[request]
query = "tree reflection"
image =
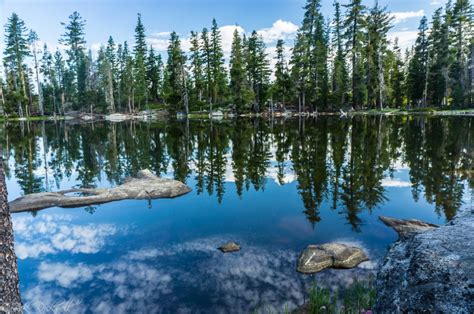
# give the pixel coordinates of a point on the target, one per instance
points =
(338, 162)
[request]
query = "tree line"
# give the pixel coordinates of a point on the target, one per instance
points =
(347, 62)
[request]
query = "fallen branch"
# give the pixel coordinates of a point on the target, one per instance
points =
(145, 186)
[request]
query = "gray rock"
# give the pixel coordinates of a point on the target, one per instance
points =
(229, 247)
(431, 271)
(318, 257)
(406, 228)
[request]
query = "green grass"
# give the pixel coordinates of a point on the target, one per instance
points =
(356, 298)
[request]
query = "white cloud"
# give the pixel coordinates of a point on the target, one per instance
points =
(159, 41)
(405, 38)
(95, 47)
(389, 182)
(227, 33)
(402, 16)
(279, 30)
(436, 2)
(64, 274)
(51, 234)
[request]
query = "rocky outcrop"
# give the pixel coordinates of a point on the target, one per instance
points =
(430, 271)
(406, 228)
(229, 247)
(145, 186)
(330, 255)
(10, 301)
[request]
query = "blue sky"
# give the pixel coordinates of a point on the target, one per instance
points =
(273, 18)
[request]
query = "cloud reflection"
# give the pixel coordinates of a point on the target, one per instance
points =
(185, 277)
(51, 234)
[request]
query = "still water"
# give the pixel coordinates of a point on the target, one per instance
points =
(272, 186)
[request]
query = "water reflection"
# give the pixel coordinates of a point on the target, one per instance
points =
(346, 162)
(173, 279)
(54, 234)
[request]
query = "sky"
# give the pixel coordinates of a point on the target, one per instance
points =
(273, 19)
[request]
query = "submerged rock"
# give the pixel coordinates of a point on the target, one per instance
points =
(229, 247)
(431, 271)
(336, 255)
(406, 228)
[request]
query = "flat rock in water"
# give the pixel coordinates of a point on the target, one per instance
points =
(330, 255)
(229, 247)
(406, 228)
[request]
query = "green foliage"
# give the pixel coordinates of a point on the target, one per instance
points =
(358, 296)
(139, 71)
(257, 69)
(14, 56)
(241, 93)
(354, 25)
(174, 80)
(282, 85)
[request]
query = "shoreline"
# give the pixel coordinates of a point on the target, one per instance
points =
(119, 117)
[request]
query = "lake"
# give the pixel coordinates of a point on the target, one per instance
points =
(274, 186)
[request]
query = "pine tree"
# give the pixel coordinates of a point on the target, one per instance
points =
(33, 41)
(257, 68)
(139, 50)
(354, 26)
(105, 79)
(439, 61)
(282, 85)
(175, 75)
(61, 77)
(462, 24)
(153, 75)
(14, 55)
(218, 79)
(197, 67)
(111, 55)
(298, 72)
(126, 78)
(378, 25)
(418, 67)
(206, 51)
(339, 73)
(240, 92)
(310, 55)
(396, 77)
(74, 39)
(50, 83)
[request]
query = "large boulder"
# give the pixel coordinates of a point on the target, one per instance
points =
(336, 255)
(430, 271)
